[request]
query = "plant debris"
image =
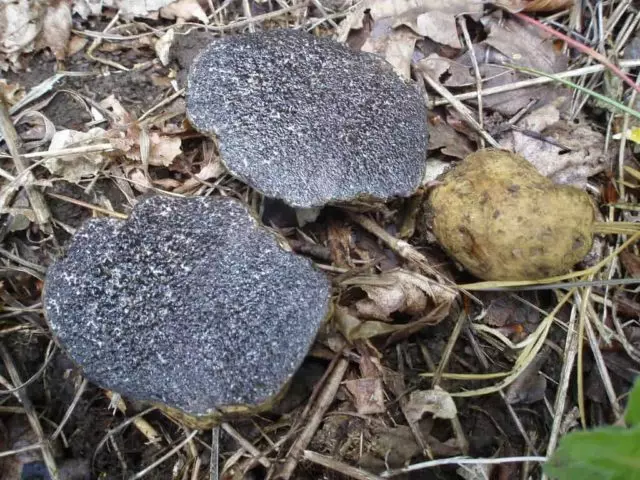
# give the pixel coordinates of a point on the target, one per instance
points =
(421, 370)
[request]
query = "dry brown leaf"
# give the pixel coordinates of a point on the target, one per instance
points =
(19, 26)
(534, 5)
(506, 309)
(390, 293)
(355, 329)
(397, 8)
(444, 136)
(458, 74)
(431, 18)
(339, 240)
(150, 147)
(163, 46)
(184, 10)
(530, 386)
(398, 445)
(436, 401)
(586, 156)
(511, 42)
(76, 44)
(395, 45)
(26, 26)
(211, 170)
(368, 395)
(56, 28)
(164, 149)
(73, 167)
(138, 179)
(127, 8)
(631, 263)
(397, 291)
(12, 92)
(393, 291)
(437, 25)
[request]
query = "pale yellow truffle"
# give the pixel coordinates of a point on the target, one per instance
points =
(502, 220)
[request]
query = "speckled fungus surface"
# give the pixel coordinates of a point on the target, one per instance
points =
(189, 303)
(307, 120)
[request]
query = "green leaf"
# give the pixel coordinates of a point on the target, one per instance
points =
(609, 453)
(632, 416)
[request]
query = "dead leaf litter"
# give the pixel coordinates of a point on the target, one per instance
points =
(418, 361)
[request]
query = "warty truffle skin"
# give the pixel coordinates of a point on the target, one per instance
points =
(307, 120)
(189, 302)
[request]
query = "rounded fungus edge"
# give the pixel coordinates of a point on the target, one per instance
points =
(307, 120)
(189, 303)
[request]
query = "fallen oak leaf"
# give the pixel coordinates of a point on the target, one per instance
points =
(398, 8)
(437, 25)
(73, 167)
(436, 401)
(56, 28)
(368, 395)
(395, 45)
(183, 11)
(355, 329)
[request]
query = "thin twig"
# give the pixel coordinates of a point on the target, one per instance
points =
(568, 360)
(461, 321)
(71, 408)
(460, 461)
(214, 467)
(165, 457)
(582, 48)
(319, 409)
(90, 206)
(461, 108)
(18, 451)
(531, 82)
(339, 467)
(36, 200)
(245, 444)
(32, 416)
(476, 70)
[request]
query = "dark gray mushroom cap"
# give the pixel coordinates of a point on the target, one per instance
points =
(307, 120)
(189, 302)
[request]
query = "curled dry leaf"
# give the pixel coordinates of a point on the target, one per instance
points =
(127, 8)
(530, 386)
(397, 291)
(399, 24)
(184, 10)
(149, 147)
(73, 167)
(368, 395)
(395, 45)
(56, 28)
(444, 136)
(436, 401)
(163, 46)
(26, 26)
(564, 152)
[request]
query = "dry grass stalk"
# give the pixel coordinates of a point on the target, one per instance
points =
(318, 410)
(32, 416)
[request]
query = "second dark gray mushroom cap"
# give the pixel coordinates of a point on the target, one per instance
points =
(307, 120)
(189, 302)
